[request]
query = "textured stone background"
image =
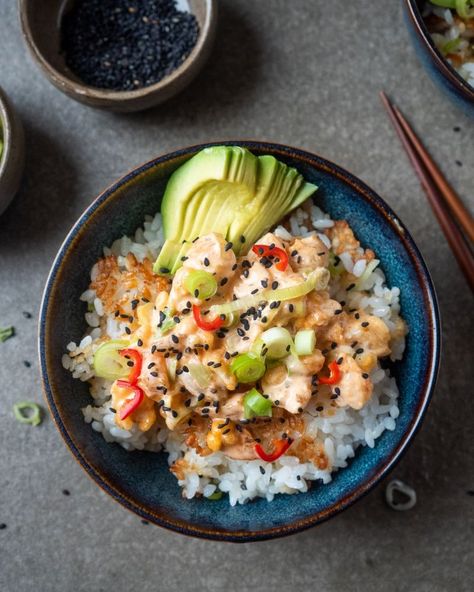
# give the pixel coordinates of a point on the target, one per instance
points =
(307, 73)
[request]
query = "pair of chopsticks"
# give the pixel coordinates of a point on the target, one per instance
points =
(443, 199)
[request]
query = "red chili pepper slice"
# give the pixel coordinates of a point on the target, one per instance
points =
(132, 403)
(275, 252)
(334, 374)
(137, 360)
(280, 447)
(203, 324)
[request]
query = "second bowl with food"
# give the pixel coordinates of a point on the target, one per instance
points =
(238, 341)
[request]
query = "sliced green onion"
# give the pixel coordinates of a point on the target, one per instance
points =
(450, 46)
(298, 309)
(90, 307)
(200, 374)
(171, 365)
(215, 496)
(365, 276)
(168, 323)
(335, 269)
(256, 405)
(462, 6)
(108, 363)
(33, 415)
(275, 343)
(248, 367)
(201, 284)
(6, 333)
(305, 342)
(317, 280)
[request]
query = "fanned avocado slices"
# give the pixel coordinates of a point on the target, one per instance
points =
(226, 189)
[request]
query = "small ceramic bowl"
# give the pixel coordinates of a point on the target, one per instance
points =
(445, 76)
(12, 157)
(141, 481)
(40, 22)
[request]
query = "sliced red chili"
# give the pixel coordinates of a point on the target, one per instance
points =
(134, 402)
(280, 447)
(136, 357)
(203, 324)
(334, 374)
(273, 253)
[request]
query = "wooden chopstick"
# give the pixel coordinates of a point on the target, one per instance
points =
(459, 210)
(454, 236)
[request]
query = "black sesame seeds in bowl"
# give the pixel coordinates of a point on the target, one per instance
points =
(123, 55)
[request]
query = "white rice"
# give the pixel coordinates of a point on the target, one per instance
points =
(341, 433)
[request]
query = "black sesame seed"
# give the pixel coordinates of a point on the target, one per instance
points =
(359, 350)
(320, 408)
(228, 246)
(350, 287)
(264, 320)
(294, 253)
(224, 281)
(139, 343)
(28, 364)
(264, 283)
(153, 349)
(365, 324)
(274, 285)
(234, 267)
(240, 332)
(27, 314)
(174, 413)
(336, 312)
(291, 307)
(333, 345)
(176, 320)
(242, 239)
(66, 492)
(245, 273)
(357, 315)
(262, 470)
(129, 363)
(164, 270)
(365, 375)
(206, 262)
(174, 338)
(128, 330)
(254, 291)
(154, 374)
(339, 361)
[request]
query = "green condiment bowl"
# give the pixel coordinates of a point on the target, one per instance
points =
(12, 153)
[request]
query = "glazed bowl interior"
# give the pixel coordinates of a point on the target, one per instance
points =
(41, 25)
(424, 42)
(141, 481)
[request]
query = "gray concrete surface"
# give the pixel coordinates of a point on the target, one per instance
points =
(306, 73)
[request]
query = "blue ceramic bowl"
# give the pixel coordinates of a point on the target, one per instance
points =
(439, 69)
(141, 481)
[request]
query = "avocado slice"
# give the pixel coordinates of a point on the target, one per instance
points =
(229, 190)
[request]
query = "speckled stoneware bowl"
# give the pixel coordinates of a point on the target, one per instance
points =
(12, 157)
(141, 481)
(437, 66)
(40, 23)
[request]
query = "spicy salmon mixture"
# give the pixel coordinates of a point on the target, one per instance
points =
(236, 354)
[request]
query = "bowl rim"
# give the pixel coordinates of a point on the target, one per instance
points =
(446, 68)
(425, 395)
(6, 131)
(78, 87)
